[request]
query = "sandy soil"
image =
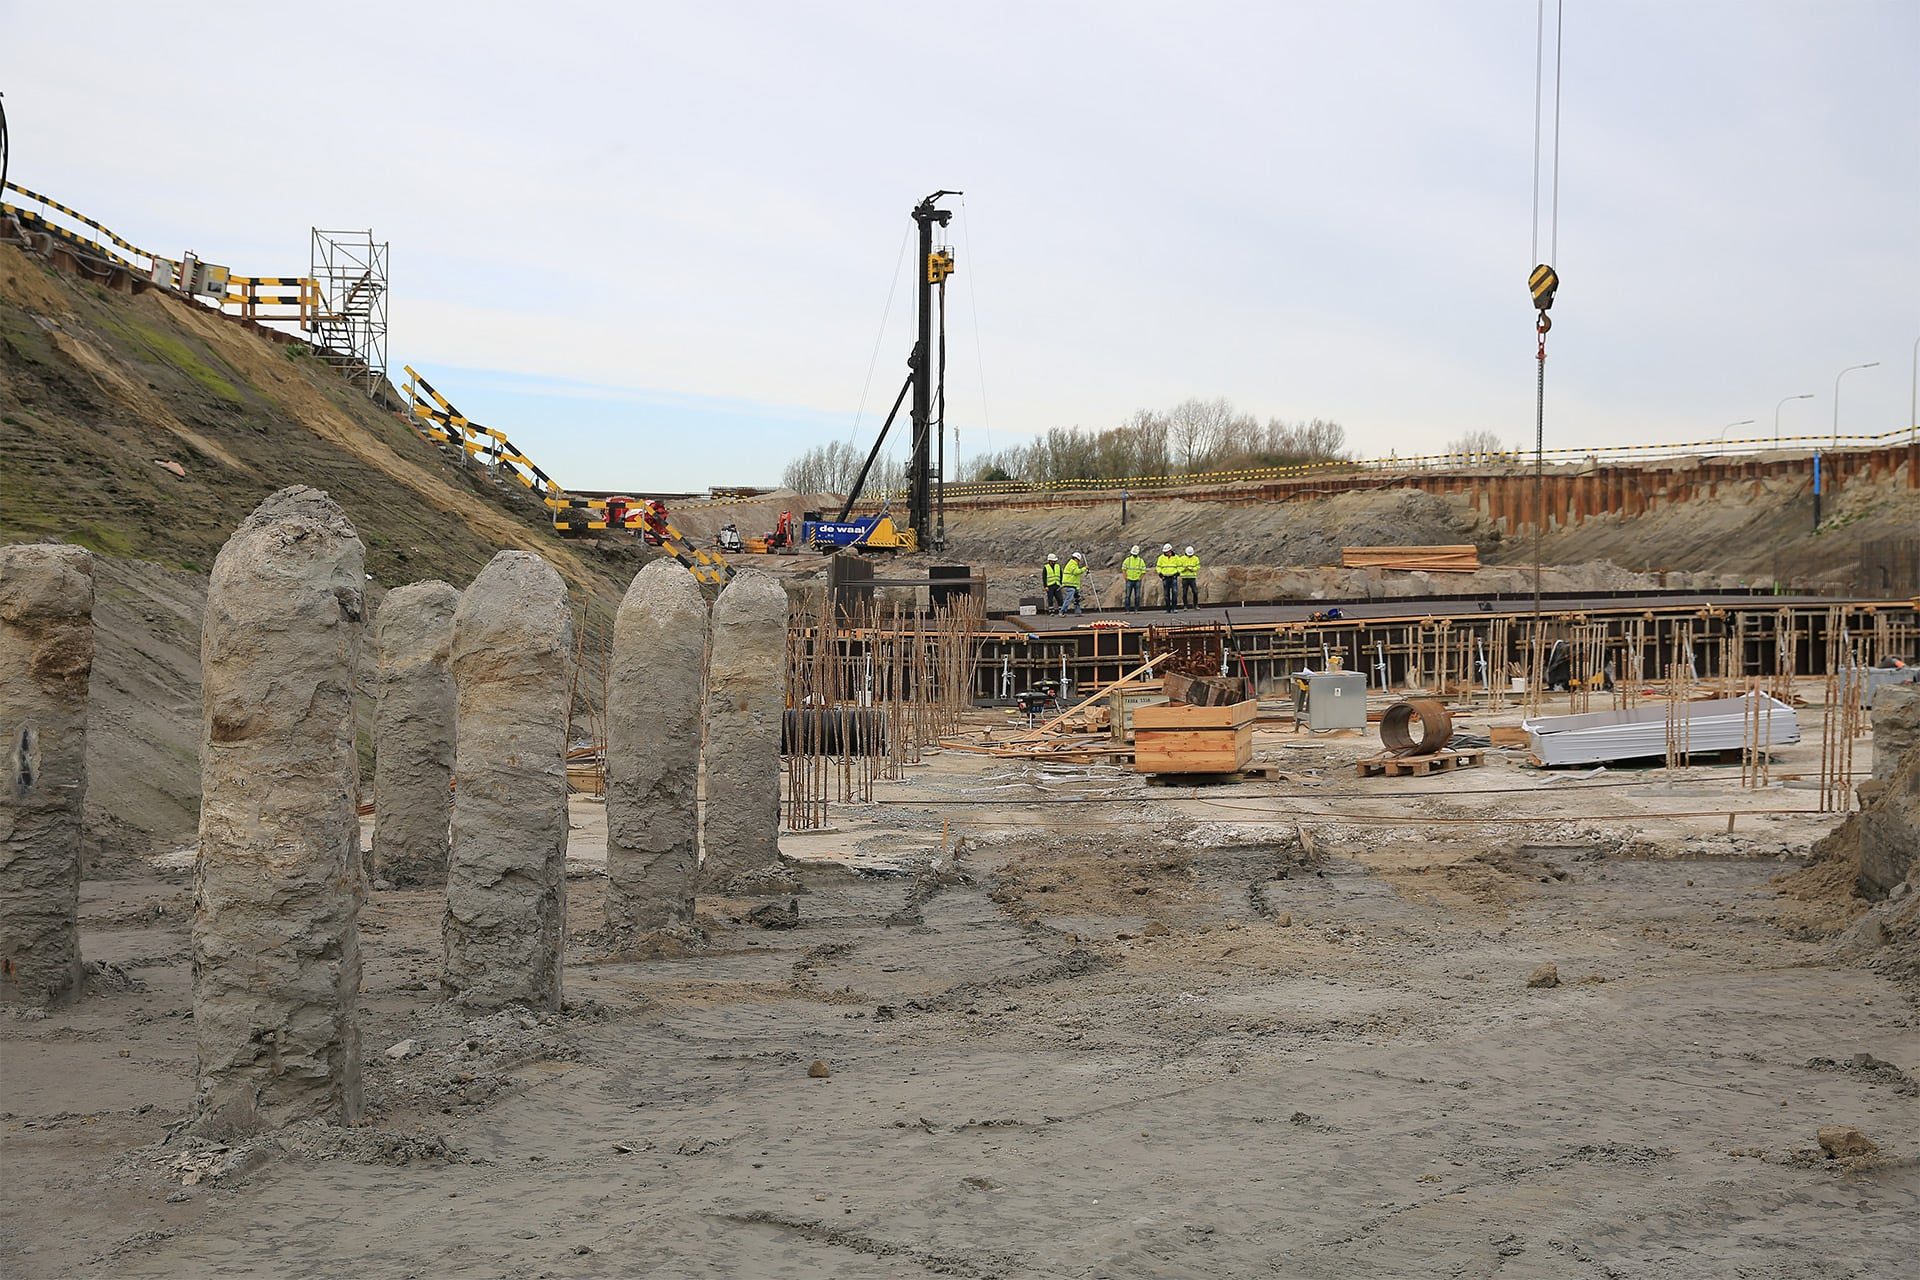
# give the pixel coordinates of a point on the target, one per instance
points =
(1076, 1026)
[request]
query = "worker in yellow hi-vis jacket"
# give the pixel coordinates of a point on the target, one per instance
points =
(1050, 577)
(1133, 568)
(1190, 579)
(1070, 575)
(1168, 569)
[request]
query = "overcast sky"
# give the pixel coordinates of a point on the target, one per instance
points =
(655, 242)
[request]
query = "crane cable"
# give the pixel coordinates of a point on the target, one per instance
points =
(873, 361)
(973, 303)
(1543, 280)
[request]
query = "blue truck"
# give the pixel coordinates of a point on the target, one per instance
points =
(868, 533)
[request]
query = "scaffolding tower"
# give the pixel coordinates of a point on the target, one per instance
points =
(349, 268)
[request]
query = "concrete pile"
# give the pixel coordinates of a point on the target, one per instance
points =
(413, 734)
(277, 890)
(654, 691)
(746, 701)
(512, 659)
(46, 659)
(472, 686)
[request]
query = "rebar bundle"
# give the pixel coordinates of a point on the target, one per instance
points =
(869, 690)
(1756, 765)
(1679, 699)
(1588, 661)
(1843, 715)
(1786, 644)
(1632, 675)
(1679, 692)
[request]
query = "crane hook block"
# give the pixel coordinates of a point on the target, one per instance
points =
(939, 265)
(1543, 282)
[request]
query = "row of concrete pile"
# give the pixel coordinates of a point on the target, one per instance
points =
(471, 728)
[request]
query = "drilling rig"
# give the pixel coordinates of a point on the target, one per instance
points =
(927, 382)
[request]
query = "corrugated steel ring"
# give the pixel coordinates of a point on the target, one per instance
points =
(1436, 727)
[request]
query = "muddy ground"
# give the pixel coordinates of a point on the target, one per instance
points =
(1074, 1025)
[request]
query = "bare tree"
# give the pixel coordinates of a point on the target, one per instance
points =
(1478, 443)
(1194, 435)
(1190, 425)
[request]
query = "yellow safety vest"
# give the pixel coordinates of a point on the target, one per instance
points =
(1167, 566)
(1052, 578)
(1189, 566)
(1070, 576)
(1134, 567)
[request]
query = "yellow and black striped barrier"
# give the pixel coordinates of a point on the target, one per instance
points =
(276, 294)
(435, 418)
(250, 294)
(34, 222)
(47, 202)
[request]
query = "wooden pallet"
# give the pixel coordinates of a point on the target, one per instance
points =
(1251, 773)
(1416, 766)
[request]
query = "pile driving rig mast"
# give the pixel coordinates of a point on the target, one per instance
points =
(935, 266)
(933, 271)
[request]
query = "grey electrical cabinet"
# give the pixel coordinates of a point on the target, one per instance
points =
(1336, 700)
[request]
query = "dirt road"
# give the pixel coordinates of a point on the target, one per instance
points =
(1127, 1031)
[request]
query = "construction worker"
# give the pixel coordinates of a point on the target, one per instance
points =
(1190, 580)
(1134, 567)
(1070, 575)
(1050, 575)
(1168, 567)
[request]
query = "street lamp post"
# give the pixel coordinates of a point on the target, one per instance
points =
(1871, 364)
(1913, 401)
(1722, 438)
(1776, 413)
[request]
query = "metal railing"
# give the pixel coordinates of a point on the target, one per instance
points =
(291, 300)
(1402, 464)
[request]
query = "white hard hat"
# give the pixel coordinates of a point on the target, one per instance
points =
(1136, 549)
(1189, 550)
(1073, 555)
(1052, 556)
(1167, 547)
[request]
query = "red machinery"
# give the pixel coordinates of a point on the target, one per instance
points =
(653, 523)
(782, 535)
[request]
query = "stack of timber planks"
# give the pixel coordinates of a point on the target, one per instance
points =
(1177, 738)
(1444, 559)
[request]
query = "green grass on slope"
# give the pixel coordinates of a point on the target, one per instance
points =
(176, 354)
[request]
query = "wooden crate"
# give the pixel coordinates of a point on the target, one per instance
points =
(1123, 702)
(1175, 738)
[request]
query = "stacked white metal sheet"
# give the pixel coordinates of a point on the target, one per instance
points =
(1719, 724)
